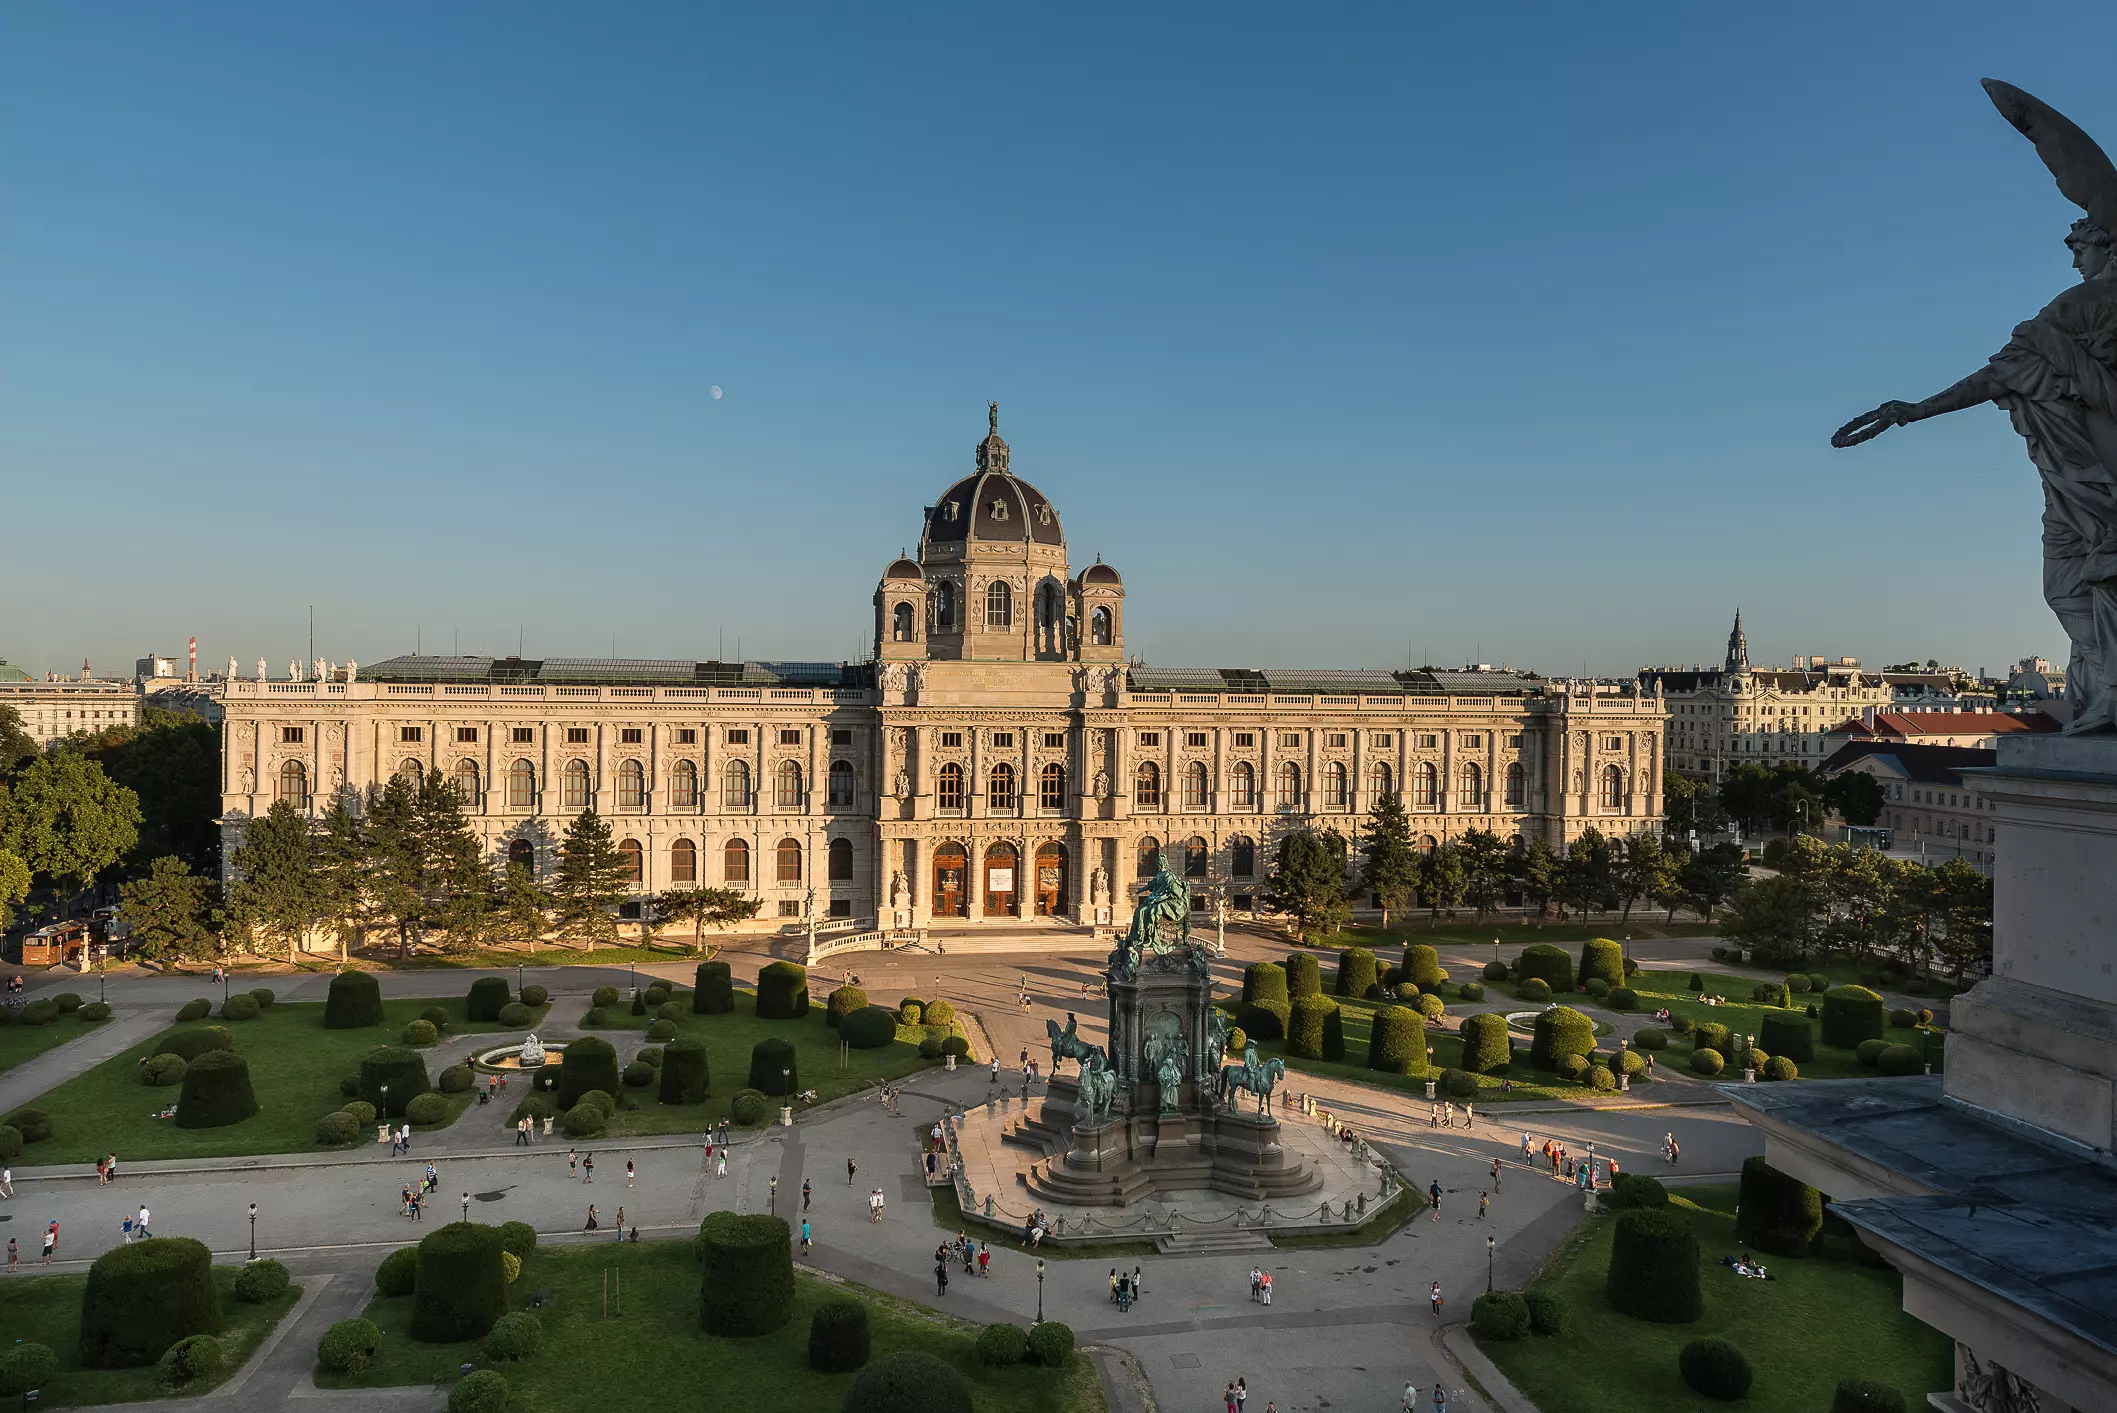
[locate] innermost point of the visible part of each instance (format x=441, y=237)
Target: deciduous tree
x=703, y=907
x=1646, y=870
x=68, y=820
x=17, y=747
x=1711, y=878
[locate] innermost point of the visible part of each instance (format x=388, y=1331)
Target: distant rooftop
x=594, y=670
x=1283, y=680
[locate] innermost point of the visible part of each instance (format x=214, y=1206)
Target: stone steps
x=1199, y=1243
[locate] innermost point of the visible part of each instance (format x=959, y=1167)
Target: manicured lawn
x=21, y=1043
x=1462, y=931
x=295, y=1066
x=46, y=1310
x=1821, y=1320
x=648, y=1352
x=1671, y=989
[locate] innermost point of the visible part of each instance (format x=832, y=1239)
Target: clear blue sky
x=1371, y=333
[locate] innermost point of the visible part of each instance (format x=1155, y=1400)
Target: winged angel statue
x=2057, y=379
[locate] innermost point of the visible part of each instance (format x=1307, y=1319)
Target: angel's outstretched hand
x=1869, y=425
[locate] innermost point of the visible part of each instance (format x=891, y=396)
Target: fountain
x=528, y=1055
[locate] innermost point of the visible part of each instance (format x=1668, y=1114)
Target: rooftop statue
x=2057, y=380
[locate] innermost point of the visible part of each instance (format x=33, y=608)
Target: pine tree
x=1391, y=868
x=1484, y=871
x=168, y=911
x=1309, y=880
x=525, y=908
x=1442, y=879
x=1646, y=871
x=593, y=878
x=275, y=887
x=396, y=872
x=1535, y=871
x=342, y=867
x=456, y=886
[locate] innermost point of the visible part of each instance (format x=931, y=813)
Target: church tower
x=1737, y=647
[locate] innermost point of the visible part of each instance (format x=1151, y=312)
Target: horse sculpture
x=1067, y=1045
x=1098, y=1087
x=1255, y=1076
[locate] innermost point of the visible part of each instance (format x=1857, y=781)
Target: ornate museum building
x=998, y=762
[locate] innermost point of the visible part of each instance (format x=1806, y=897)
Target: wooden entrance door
x=951, y=868
x=1050, y=880
x=1003, y=880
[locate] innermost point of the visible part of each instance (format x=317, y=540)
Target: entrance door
x=1002, y=865
x=1050, y=880
x=951, y=866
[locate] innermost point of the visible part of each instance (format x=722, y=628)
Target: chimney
x=1867, y=717
x=191, y=666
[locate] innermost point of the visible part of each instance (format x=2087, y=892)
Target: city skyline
x=1383, y=344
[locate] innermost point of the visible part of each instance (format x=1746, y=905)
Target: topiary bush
x=713, y=989
x=662, y=1030
x=1000, y=1345
x=336, y=1129
x=1851, y=1014
x=145, y=1296
x=1778, y=1067
x=911, y=1011
x=419, y=1033
x=1559, y=1031
x=161, y=1071
x=1866, y=1396
x=194, y=1010
x=187, y=1363
x=484, y=1391
x=95, y=1012
x=353, y=1002
x=1547, y=1313
x=1473, y=991
x=639, y=1004
x=1601, y=1079
x=1429, y=1006
x=1715, y=1368
x=216, y=1091
x=460, y=1287
x=1487, y=1047
x=488, y=995
x=31, y=1122
x=534, y=995
x=587, y=1063
x=939, y=1013
x=684, y=1074
x=1707, y=1062
x=637, y=1075
x=1651, y=1039
x=259, y=1281
x=427, y=1110
x=1714, y=1036
x=842, y=1003
x=42, y=1011
x=1051, y=1344
x=1654, y=1267
x=515, y=1016
x=1900, y=1060
x=1500, y=1314
x=1602, y=960
x=1535, y=990
x=1547, y=964
x=869, y=1028
x=349, y=1346
x=1636, y=1190
x=1597, y=988
x=514, y=1336
x=1632, y=1065
x=404, y=1071
x=908, y=1382
x=1396, y=1041
x=1573, y=1067
x=1682, y=1025
x=603, y=997
x=749, y=1107
x=747, y=1286
x=398, y=1272
x=768, y=1058
x=456, y=1079
x=241, y=1006
x=1622, y=998
x=1496, y=971
x=190, y=1044
x=1304, y=976
x=838, y=1338
x=1776, y=1213
x=1422, y=966
x=1790, y=1036
x=930, y=1045
x=782, y=991
x=1458, y=1084
x=1357, y=972
x=1316, y=1030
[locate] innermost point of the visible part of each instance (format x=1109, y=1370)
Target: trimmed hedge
x=194, y=1010
x=1900, y=1060
x=419, y=1034
x=516, y=1016
x=911, y=1011
x=349, y=1346
x=1636, y=1190
x=1496, y=971
x=1777, y=1213
x=662, y=1030
x=456, y=1079
x=1304, y=976
x=1622, y=998
x=1422, y=966
x=487, y=995
x=1654, y=1267
x=398, y=1272
x=26, y=1365
x=1357, y=972
x=1560, y=1031
x=241, y=1006
x=1459, y=1084
x=909, y=1381
x=161, y=1071
x=1051, y=1344
x=1851, y=1014
x=1707, y=1062
x=1712, y=1035
x=514, y=1337
x=1265, y=982
x=259, y=1281
x=1473, y=991
x=1866, y=1396
x=1790, y=1036
x=1000, y=1345
x=484, y=1391
x=216, y=1091
x=685, y=1076
x=1547, y=1313
x=1487, y=1048
x=842, y=1003
x=1316, y=1030
x=749, y=1107
x=1602, y=959
x=1649, y=1038
x=767, y=1059
x=838, y=1336
x=869, y=1028
x=1429, y=1006
x=353, y=1002
x=404, y=1071
x=1535, y=990
x=1573, y=1067
x=713, y=989
x=939, y=1013
x=1396, y=1041
x=1596, y=987
x=143, y=1297
x=1547, y=964
x=1500, y=1314
x=427, y=1110
x=460, y=1287
x=1263, y=1020
x=1715, y=1368
x=747, y=1286
x=587, y=1063
x=190, y=1044
x=336, y=1129
x=782, y=991
x=1778, y=1067
x=187, y=1362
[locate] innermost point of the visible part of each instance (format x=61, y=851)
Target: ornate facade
x=999, y=762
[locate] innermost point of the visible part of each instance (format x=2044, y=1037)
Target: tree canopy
x=1309, y=881
x=67, y=820
x=592, y=879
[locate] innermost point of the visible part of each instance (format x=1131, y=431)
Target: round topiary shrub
x=460, y=1287
x=419, y=1033
x=216, y=1091
x=1707, y=1062
x=1396, y=1041
x=1866, y=1396
x=1903, y=1018
x=1559, y=1031
x=1430, y=1006
x=747, y=1287
x=1636, y=1190
x=1651, y=1039
x=782, y=991
x=749, y=1107
x=1051, y=1344
x=842, y=1003
x=42, y=1011
x=649, y=1055
x=259, y=1281
x=908, y=1382
x=336, y=1130
x=187, y=1363
x=603, y=997
x=194, y=1010
x=1000, y=1345
x=957, y=1046
x=1601, y=1079
x=637, y=1075
x=1632, y=1065
x=10, y=1143
x=1851, y=1014
x=1473, y=991
x=1789, y=1036
x=1715, y=1368
x=1779, y=1067
x=1654, y=1267
x=684, y=1077
x=349, y=1346
x=1869, y=1052
x=869, y=1028
x=910, y=1011
x=427, y=1110
x=1458, y=1084
x=161, y=1071
x=31, y=1122
x=1496, y=971
x=1357, y=972
x=1682, y=1025
x=1602, y=960
x=1547, y=964
x=1622, y=998
x=514, y=1337
x=838, y=1340
x=404, y=1071
x=1597, y=988
x=515, y=1016
x=1535, y=990
x=662, y=1030
x=397, y=1273
x=1487, y=1047
x=595, y=1018
x=95, y=1012
x=1422, y=966
x=1304, y=976
x=484, y=1391
x=585, y=1119
x=534, y=995
x=670, y=1011
x=587, y=1063
x=67, y=1002
x=768, y=1058
x=1316, y=1030
x=487, y=995
x=1776, y=1213
x=190, y=1044
x=1714, y=1036
x=1573, y=1067
x=930, y=1045
x=1900, y=1060
x=456, y=1079
x=1238, y=1040
x=1547, y=1313
x=713, y=989
x=354, y=1001
x=939, y=1013
x=145, y=1296
x=1500, y=1314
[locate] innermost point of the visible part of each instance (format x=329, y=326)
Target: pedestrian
x=125, y=1229
x=995, y=1069
x=621, y=1224
x=51, y=1241
x=1266, y=1283
x=1242, y=1394
x=879, y=1204
x=1495, y=1175
x=1440, y=1399
x=628, y=1172
x=1433, y=1116
x=141, y=1223
x=1227, y=1397
x=7, y=1182
x=1525, y=1154
x=1139, y=1283
x=418, y=1207
x=14, y=1254
x=1675, y=1152
x=1256, y=1282
x=1481, y=1204
x=1433, y=1197
x=1435, y=1296
x=102, y=1173
x=404, y=1200
x=940, y=1278
x=433, y=1179
x=723, y=1171
x=588, y=1168
x=804, y=1236
x=848, y=1172
x=1469, y=1117
x=984, y=1258
x=522, y=1132
x=804, y=1194
x=1411, y=1397
x=404, y=1136
x=393, y=1142
x=593, y=1221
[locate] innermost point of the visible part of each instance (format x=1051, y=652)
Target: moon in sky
x=716, y=392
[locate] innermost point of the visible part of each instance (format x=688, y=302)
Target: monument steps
x=1211, y=1243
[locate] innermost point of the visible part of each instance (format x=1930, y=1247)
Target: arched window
x=841, y=783
x=1099, y=628
x=1194, y=857
x=786, y=789
x=683, y=862
x=522, y=785
x=411, y=770
x=522, y=852
x=841, y=861
x=1242, y=786
x=1334, y=797
x=1289, y=786
x=1470, y=787
x=631, y=785
x=1149, y=856
x=1380, y=780
x=1426, y=786
x=466, y=781
x=294, y=783
x=735, y=862
x=735, y=785
x=1428, y=844
x=635, y=860
x=999, y=788
x=901, y=623
x=1146, y=788
x=1194, y=785
x=948, y=787
x=683, y=786
x=944, y=602
x=1242, y=856
x=1613, y=787
x=789, y=861
x=1051, y=787
x=999, y=604
x=577, y=784
x=1517, y=785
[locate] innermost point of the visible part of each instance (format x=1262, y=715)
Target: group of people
x=414, y=1195
x=1442, y=1114
x=976, y=1256
x=1743, y=1266
x=1033, y=1229
x=1235, y=1398
x=1260, y=1285
x=1126, y=1288
x=51, y=1243
x=1670, y=1149
x=874, y=1204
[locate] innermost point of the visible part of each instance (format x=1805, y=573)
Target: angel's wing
x=2084, y=172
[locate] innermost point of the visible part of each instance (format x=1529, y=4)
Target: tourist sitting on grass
x=1743, y=1266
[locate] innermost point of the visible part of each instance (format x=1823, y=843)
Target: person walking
x=804, y=1236
x=1435, y=1296
x=51, y=1241
x=984, y=1258
x=393, y=1142
x=628, y=1172
x=1265, y=1284
x=404, y=1200
x=1495, y=1175
x=1242, y=1393
x=588, y=1168
x=1411, y=1397
x=848, y=1172
x=723, y=1169
x=1469, y=1113
x=1433, y=1197
x=1227, y=1397
x=522, y=1132
x=14, y=1255
x=1675, y=1152
x=804, y=1194
x=7, y=1182
x=621, y=1224
x=1440, y=1399
x=1482, y=1201
x=404, y=1135
x=140, y=1223
x=940, y=1278
x=879, y=1204
x=1525, y=1145
x=593, y=1221
x=418, y=1207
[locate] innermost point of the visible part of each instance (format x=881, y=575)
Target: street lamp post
x=253, y=1231
x=786, y=1091
x=1490, y=1244
x=1040, y=1290
x=466, y=1206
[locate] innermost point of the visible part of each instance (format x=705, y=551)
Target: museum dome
x=1101, y=573
x=993, y=503
x=905, y=569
